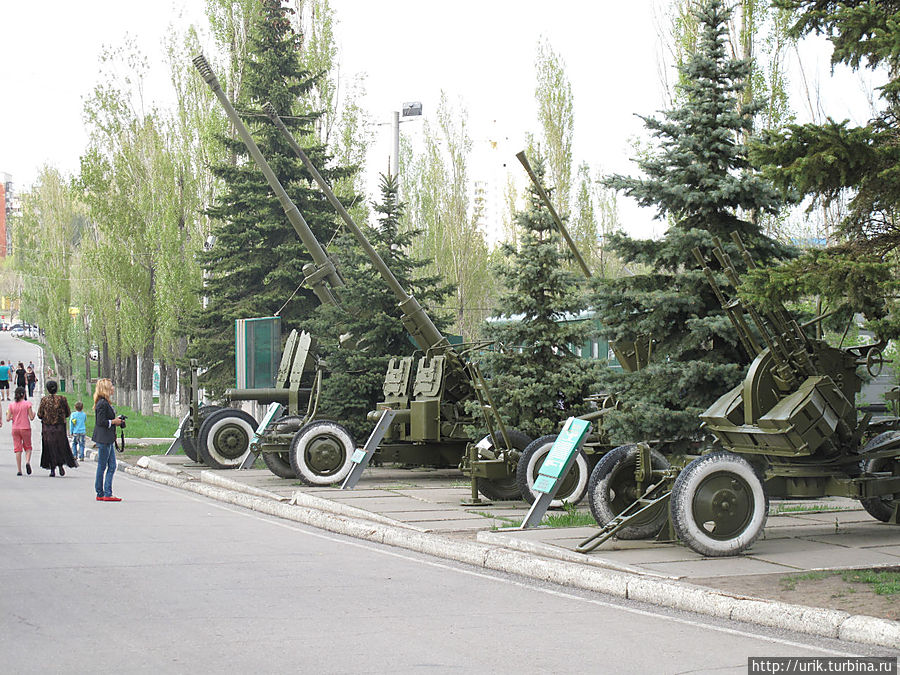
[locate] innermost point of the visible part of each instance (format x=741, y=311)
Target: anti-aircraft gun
x=605, y=471
x=224, y=438
x=791, y=429
x=427, y=397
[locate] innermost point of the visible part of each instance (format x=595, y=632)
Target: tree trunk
x=172, y=387
x=163, y=388
x=104, y=368
x=132, y=377
x=146, y=382
x=87, y=354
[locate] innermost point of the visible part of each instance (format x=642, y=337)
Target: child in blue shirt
x=78, y=430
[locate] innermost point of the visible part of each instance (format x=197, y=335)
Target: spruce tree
x=699, y=180
x=368, y=312
x=537, y=380
x=836, y=160
x=254, y=265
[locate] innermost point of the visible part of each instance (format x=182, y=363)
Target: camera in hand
x=123, y=418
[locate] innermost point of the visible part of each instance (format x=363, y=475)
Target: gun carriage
x=791, y=429
x=427, y=393
x=223, y=438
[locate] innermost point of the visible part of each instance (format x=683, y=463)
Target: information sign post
x=557, y=464
x=362, y=455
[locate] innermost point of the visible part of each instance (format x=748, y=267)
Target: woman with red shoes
x=105, y=423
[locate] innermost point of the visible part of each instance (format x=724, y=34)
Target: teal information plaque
x=565, y=445
x=559, y=460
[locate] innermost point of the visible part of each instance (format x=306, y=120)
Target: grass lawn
x=883, y=582
x=137, y=426
x=134, y=451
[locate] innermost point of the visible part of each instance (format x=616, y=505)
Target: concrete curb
x=627, y=585
x=161, y=467
x=302, y=499
x=229, y=484
x=537, y=548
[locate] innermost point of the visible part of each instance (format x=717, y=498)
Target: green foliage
x=44, y=251
x=368, y=312
x=699, y=179
x=836, y=161
x=556, y=113
x=536, y=379
x=436, y=184
x=255, y=264
x=856, y=283
x=571, y=517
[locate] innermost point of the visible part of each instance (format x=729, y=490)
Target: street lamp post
x=411, y=109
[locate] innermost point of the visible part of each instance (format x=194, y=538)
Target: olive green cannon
x=791, y=429
x=224, y=438
x=426, y=394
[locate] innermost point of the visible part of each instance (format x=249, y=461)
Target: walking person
x=4, y=381
x=105, y=421
x=21, y=380
x=12, y=373
x=20, y=413
x=55, y=451
x=31, y=380
x=78, y=429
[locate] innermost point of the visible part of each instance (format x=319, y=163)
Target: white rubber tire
x=732, y=477
x=335, y=446
x=234, y=424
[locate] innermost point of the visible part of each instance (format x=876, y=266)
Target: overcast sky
x=481, y=53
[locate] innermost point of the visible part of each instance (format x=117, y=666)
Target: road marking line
x=343, y=539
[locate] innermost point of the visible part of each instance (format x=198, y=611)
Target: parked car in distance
x=17, y=331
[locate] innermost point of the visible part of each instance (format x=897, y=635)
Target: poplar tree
x=537, y=378
x=699, y=180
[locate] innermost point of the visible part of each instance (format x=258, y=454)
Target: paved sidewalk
x=421, y=510
x=840, y=535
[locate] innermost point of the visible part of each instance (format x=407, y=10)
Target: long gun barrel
x=323, y=267
x=415, y=320
x=556, y=219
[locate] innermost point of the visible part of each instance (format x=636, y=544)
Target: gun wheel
x=279, y=463
x=320, y=453
x=186, y=428
x=882, y=507
x=504, y=489
x=574, y=484
x=224, y=440
x=612, y=489
x=719, y=506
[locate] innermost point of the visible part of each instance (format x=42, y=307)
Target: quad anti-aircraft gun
x=791, y=430
x=425, y=396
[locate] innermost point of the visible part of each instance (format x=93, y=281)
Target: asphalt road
x=166, y=581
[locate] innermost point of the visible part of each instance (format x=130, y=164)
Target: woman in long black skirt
x=55, y=450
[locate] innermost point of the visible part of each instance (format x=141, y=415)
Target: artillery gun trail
x=790, y=430
x=429, y=408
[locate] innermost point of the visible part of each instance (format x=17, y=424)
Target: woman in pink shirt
x=21, y=414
